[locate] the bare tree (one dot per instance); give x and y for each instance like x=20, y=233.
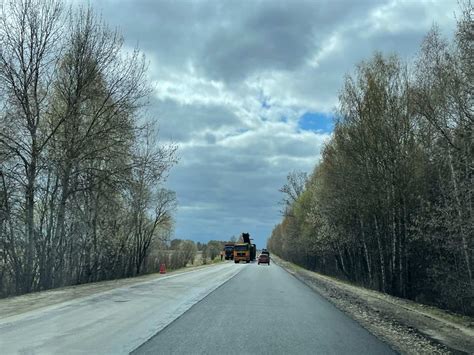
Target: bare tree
x=151, y=163
x=292, y=189
x=29, y=33
x=77, y=165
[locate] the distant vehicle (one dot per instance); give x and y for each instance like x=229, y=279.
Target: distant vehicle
x=264, y=258
x=245, y=251
x=241, y=252
x=265, y=251
x=229, y=251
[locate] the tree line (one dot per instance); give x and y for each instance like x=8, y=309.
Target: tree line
x=390, y=204
x=81, y=168
x=179, y=253
x=184, y=252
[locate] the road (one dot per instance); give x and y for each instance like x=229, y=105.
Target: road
x=263, y=310
x=111, y=322
x=225, y=308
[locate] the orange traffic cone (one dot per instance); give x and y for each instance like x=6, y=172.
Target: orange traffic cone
x=162, y=269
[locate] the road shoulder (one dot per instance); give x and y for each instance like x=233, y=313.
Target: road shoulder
x=32, y=301
x=410, y=328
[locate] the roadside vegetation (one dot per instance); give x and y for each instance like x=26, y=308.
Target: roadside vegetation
x=179, y=253
x=82, y=195
x=390, y=204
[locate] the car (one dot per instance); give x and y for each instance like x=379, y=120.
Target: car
x=264, y=259
x=265, y=251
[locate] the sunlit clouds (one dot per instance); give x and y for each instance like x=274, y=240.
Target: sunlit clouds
x=233, y=80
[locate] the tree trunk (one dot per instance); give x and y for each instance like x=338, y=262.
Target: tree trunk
x=30, y=222
x=381, y=255
x=366, y=251
x=465, y=247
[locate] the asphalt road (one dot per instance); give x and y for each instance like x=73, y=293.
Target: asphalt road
x=112, y=322
x=263, y=310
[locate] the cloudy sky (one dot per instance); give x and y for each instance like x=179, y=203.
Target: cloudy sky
x=247, y=89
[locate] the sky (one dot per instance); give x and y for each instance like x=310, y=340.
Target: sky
x=247, y=89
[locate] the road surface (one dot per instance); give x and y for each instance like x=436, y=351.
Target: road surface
x=264, y=310
x=111, y=322
x=222, y=309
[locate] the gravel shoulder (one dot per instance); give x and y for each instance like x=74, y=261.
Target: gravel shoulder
x=409, y=327
x=21, y=304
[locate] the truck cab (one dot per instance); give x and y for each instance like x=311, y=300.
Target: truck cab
x=229, y=251
x=241, y=252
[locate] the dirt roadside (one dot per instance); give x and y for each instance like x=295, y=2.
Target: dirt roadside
x=20, y=304
x=409, y=327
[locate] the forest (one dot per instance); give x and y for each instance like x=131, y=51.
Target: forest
x=82, y=172
x=389, y=206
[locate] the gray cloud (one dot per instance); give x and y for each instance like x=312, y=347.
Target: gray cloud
x=232, y=79
x=181, y=123
x=236, y=188
x=230, y=40
x=277, y=37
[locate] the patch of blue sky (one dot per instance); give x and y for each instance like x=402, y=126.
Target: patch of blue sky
x=264, y=100
x=317, y=122
x=265, y=104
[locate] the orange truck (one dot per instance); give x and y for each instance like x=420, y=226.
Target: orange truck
x=241, y=252
x=245, y=250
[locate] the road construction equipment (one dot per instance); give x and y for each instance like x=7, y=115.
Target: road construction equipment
x=229, y=251
x=245, y=250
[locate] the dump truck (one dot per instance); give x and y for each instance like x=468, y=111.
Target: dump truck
x=245, y=250
x=229, y=251
x=241, y=252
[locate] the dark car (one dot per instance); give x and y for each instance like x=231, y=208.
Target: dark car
x=264, y=259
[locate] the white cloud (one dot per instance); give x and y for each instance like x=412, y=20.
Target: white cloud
x=329, y=46
x=189, y=89
x=232, y=79
x=408, y=15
